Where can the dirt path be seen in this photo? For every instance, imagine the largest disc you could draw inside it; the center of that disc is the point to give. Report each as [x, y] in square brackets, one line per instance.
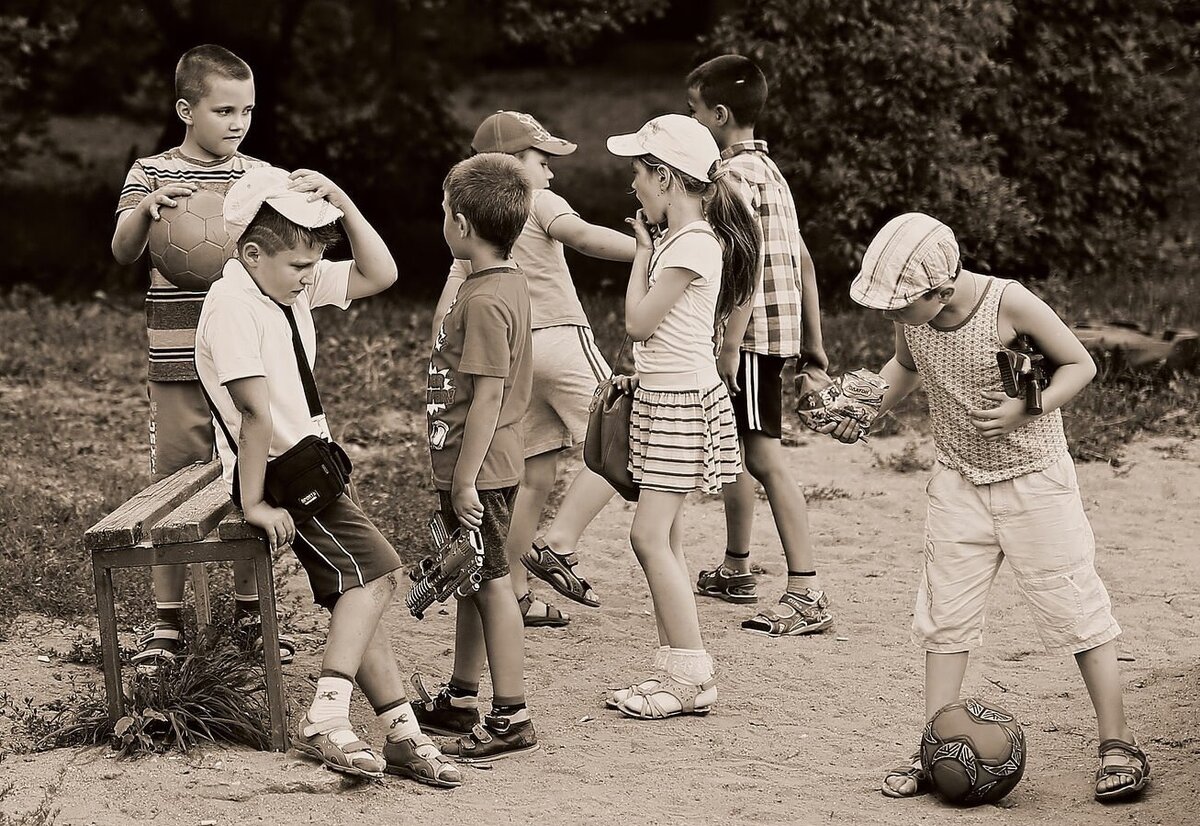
[804, 726]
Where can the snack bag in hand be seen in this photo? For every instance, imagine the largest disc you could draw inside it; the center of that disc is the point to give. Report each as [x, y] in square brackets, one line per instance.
[855, 395]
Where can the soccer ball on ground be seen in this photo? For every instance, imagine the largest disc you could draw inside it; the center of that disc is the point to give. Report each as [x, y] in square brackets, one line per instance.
[973, 752]
[189, 244]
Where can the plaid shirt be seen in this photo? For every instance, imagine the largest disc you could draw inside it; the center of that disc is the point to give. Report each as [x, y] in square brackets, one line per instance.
[775, 327]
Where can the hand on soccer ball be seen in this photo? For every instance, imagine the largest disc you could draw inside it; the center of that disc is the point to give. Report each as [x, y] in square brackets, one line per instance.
[165, 196]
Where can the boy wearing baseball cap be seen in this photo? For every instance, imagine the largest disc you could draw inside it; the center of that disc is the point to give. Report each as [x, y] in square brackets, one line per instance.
[1004, 486]
[567, 366]
[255, 347]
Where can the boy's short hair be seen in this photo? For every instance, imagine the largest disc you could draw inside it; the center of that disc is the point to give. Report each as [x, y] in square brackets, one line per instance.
[734, 82]
[202, 62]
[275, 234]
[493, 191]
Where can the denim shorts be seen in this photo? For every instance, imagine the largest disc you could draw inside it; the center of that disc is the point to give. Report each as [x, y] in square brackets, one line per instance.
[1036, 522]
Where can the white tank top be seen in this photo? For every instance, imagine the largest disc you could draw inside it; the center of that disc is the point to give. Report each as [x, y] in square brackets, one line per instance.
[957, 365]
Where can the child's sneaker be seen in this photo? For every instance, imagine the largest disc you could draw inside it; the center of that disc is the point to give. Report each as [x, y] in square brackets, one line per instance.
[443, 713]
[728, 585]
[795, 614]
[419, 759]
[495, 738]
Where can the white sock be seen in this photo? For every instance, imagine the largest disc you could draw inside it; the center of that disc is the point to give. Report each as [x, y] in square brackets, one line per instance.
[660, 657]
[690, 665]
[332, 699]
[400, 722]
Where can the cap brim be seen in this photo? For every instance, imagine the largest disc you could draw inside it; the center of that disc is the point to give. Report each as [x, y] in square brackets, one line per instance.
[625, 146]
[300, 211]
[555, 146]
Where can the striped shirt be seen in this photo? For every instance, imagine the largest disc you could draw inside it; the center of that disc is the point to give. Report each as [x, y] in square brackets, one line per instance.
[775, 327]
[172, 313]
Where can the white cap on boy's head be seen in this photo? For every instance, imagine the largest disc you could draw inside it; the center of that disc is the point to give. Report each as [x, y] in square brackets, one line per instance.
[269, 184]
[913, 254]
[676, 140]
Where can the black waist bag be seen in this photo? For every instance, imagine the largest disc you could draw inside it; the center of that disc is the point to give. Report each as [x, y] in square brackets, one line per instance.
[306, 479]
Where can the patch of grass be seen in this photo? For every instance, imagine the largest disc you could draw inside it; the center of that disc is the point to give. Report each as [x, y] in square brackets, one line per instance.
[214, 693]
[909, 459]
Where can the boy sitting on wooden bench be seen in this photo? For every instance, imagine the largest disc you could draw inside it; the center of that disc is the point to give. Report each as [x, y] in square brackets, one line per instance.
[255, 346]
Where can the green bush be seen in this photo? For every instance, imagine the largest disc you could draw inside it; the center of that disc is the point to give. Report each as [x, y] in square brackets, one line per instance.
[1047, 134]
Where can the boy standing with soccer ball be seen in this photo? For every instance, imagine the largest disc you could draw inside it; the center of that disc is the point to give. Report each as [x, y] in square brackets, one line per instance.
[1004, 486]
[215, 101]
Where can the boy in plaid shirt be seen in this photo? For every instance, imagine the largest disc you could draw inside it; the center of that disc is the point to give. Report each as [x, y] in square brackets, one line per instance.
[727, 94]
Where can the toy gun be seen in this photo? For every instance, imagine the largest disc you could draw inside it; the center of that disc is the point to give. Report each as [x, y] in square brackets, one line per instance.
[452, 569]
[1023, 373]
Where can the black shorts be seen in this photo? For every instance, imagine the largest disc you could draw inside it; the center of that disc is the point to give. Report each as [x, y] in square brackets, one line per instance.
[758, 405]
[340, 548]
[497, 514]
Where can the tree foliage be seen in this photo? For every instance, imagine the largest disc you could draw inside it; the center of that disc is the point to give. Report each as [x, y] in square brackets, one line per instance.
[1044, 133]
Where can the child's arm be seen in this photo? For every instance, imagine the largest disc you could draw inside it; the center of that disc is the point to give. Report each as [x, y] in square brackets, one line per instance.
[454, 279]
[1022, 312]
[902, 377]
[478, 431]
[592, 239]
[812, 357]
[731, 344]
[646, 307]
[374, 268]
[133, 225]
[251, 397]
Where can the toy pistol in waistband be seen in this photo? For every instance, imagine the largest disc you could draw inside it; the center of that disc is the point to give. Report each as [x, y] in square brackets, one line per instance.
[453, 569]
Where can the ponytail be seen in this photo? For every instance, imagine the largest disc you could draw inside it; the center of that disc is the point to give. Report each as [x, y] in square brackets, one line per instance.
[733, 224]
[741, 242]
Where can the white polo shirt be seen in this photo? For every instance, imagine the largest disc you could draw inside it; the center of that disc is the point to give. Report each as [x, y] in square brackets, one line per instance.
[242, 333]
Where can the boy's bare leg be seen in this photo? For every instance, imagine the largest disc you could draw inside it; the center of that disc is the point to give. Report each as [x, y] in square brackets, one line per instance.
[738, 498]
[378, 674]
[766, 462]
[537, 482]
[353, 624]
[1102, 677]
[168, 582]
[585, 498]
[503, 637]
[943, 683]
[470, 653]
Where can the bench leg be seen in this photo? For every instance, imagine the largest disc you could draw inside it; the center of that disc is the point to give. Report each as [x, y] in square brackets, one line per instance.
[106, 613]
[200, 596]
[270, 634]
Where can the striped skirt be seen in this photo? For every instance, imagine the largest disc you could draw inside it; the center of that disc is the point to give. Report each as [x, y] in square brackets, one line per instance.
[683, 440]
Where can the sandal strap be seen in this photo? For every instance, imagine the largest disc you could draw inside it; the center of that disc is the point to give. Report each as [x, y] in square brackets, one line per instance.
[1115, 744]
[684, 693]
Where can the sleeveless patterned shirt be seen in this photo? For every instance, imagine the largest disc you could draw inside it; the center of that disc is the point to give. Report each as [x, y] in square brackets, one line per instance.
[957, 365]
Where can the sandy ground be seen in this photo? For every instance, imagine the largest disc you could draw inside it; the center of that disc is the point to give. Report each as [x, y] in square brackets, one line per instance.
[804, 726]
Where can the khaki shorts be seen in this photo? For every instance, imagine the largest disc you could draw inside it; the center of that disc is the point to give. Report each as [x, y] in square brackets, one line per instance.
[1037, 523]
[181, 427]
[567, 366]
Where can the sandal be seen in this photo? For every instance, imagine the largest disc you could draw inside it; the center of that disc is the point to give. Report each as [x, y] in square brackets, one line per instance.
[247, 633]
[620, 695]
[553, 618]
[683, 693]
[796, 614]
[912, 771]
[160, 644]
[344, 753]
[1137, 770]
[728, 585]
[558, 570]
[418, 758]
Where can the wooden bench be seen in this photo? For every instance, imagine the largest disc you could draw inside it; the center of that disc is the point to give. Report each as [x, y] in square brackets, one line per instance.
[186, 518]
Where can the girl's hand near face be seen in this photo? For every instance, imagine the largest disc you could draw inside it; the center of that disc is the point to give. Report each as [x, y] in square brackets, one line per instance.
[641, 231]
